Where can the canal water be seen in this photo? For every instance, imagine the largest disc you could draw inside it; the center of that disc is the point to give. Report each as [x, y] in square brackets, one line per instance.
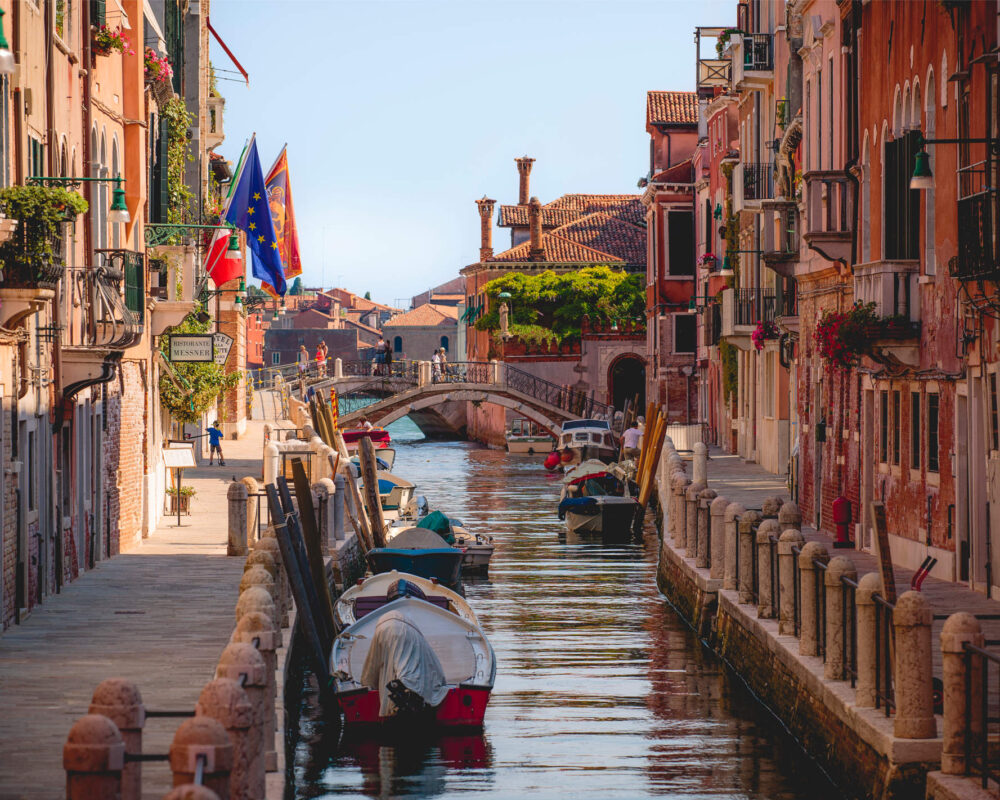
[602, 690]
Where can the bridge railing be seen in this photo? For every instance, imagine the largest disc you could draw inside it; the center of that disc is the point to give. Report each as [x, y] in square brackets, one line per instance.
[463, 372]
[401, 370]
[567, 398]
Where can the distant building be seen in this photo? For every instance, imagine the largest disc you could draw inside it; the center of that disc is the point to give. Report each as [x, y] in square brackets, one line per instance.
[418, 333]
[450, 293]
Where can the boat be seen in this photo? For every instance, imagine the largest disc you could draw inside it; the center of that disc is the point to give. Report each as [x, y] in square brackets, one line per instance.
[412, 662]
[583, 439]
[379, 437]
[394, 492]
[525, 436]
[477, 549]
[385, 459]
[596, 500]
[371, 593]
[418, 551]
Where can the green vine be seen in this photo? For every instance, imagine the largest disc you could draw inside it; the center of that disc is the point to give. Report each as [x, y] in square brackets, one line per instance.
[40, 213]
[730, 370]
[730, 230]
[204, 382]
[178, 120]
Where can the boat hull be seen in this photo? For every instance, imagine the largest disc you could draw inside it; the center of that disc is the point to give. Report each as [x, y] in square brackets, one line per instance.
[528, 445]
[445, 563]
[613, 520]
[462, 707]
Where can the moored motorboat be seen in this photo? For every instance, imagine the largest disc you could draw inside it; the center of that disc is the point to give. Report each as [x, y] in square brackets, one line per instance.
[412, 661]
[595, 500]
[583, 439]
[477, 548]
[420, 552]
[379, 437]
[375, 591]
[525, 436]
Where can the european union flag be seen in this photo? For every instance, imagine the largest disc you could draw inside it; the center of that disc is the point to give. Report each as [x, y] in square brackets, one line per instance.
[249, 211]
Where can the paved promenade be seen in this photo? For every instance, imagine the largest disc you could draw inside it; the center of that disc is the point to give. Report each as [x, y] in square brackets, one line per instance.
[159, 616]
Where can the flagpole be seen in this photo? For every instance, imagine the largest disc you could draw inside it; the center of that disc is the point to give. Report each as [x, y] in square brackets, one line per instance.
[284, 147]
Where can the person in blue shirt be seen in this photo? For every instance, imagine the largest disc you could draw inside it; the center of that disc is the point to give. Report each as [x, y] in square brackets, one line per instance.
[215, 444]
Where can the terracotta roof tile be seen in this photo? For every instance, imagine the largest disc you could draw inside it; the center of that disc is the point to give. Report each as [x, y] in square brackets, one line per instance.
[671, 108]
[608, 234]
[517, 217]
[428, 315]
[558, 249]
[678, 173]
[627, 207]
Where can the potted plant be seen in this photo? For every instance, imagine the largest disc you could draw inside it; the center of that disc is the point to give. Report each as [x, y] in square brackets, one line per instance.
[183, 500]
[157, 68]
[709, 260]
[765, 330]
[107, 40]
[30, 256]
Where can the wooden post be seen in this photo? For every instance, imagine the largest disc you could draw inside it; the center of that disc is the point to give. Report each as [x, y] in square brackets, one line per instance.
[369, 472]
[311, 535]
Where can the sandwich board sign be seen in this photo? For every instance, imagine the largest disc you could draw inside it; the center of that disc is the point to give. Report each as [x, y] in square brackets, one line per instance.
[222, 343]
[192, 347]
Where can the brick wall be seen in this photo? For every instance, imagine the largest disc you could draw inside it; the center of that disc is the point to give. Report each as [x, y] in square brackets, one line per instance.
[124, 456]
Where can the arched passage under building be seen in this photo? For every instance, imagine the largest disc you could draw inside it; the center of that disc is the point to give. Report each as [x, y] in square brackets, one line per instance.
[627, 381]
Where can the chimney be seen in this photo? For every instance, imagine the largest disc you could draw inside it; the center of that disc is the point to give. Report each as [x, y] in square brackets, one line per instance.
[486, 220]
[524, 171]
[537, 251]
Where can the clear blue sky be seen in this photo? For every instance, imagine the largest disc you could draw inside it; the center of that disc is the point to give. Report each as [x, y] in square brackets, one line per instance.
[399, 114]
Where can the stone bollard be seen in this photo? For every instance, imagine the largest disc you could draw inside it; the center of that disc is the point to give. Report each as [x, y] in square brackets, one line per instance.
[678, 526]
[272, 463]
[717, 537]
[269, 543]
[770, 507]
[914, 689]
[836, 600]
[241, 662]
[338, 507]
[323, 493]
[961, 629]
[730, 578]
[259, 576]
[700, 463]
[253, 513]
[765, 568]
[789, 516]
[227, 702]
[190, 791]
[786, 579]
[864, 692]
[120, 701]
[262, 559]
[94, 758]
[255, 598]
[259, 630]
[808, 633]
[205, 738]
[691, 518]
[237, 496]
[748, 521]
[704, 542]
[338, 368]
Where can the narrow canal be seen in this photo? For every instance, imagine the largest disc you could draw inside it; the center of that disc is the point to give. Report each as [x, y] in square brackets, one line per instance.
[602, 690]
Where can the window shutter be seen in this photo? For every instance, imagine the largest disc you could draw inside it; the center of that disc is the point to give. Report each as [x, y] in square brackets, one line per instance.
[98, 13]
[891, 201]
[161, 162]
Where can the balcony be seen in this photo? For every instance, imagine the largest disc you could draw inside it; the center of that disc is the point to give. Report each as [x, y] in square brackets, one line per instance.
[752, 184]
[753, 61]
[829, 223]
[171, 285]
[742, 309]
[978, 245]
[893, 286]
[712, 324]
[781, 236]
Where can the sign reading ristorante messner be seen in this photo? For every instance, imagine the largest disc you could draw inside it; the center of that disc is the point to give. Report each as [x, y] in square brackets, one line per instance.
[191, 347]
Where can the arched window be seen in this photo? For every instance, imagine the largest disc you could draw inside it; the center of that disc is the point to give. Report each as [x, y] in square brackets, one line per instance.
[930, 254]
[102, 195]
[866, 203]
[397, 344]
[94, 171]
[444, 343]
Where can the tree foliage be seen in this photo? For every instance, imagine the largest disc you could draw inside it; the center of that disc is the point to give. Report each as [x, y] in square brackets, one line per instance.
[297, 287]
[553, 305]
[204, 382]
[40, 213]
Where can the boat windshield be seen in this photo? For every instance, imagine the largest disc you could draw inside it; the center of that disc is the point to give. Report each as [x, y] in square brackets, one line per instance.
[600, 424]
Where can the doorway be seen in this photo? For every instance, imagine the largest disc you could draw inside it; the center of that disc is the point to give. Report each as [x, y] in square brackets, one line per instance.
[627, 381]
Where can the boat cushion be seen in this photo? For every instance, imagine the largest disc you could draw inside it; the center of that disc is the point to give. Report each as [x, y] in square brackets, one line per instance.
[366, 605]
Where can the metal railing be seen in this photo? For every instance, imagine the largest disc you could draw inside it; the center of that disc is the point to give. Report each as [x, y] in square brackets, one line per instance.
[755, 305]
[106, 319]
[757, 51]
[758, 181]
[712, 320]
[977, 720]
[829, 206]
[884, 697]
[978, 248]
[849, 625]
[566, 398]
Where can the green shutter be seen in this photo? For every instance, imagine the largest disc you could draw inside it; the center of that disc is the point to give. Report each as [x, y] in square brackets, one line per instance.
[97, 13]
[163, 194]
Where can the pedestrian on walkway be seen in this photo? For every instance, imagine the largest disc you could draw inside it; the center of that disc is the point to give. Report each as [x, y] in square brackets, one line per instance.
[630, 441]
[303, 359]
[215, 444]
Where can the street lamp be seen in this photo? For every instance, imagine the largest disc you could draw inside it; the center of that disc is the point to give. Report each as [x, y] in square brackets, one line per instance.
[922, 177]
[118, 211]
[7, 63]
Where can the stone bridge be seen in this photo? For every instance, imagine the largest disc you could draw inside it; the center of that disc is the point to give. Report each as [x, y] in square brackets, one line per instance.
[435, 397]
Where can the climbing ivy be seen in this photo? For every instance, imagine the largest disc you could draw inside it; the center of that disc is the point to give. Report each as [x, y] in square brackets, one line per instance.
[204, 382]
[179, 121]
[730, 371]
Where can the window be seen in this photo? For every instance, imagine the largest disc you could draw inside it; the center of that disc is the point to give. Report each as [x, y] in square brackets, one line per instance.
[30, 454]
[901, 203]
[680, 243]
[994, 428]
[883, 441]
[932, 432]
[397, 344]
[915, 430]
[685, 333]
[808, 107]
[829, 117]
[275, 358]
[36, 157]
[768, 388]
[896, 402]
[708, 226]
[819, 118]
[444, 343]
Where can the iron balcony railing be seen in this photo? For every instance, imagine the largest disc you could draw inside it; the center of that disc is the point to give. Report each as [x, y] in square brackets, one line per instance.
[978, 249]
[712, 320]
[786, 299]
[758, 181]
[757, 52]
[755, 305]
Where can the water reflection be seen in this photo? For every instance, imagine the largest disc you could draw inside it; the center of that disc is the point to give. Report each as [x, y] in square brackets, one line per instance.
[602, 691]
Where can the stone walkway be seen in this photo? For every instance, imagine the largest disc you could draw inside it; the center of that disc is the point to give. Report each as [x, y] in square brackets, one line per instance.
[749, 484]
[159, 616]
